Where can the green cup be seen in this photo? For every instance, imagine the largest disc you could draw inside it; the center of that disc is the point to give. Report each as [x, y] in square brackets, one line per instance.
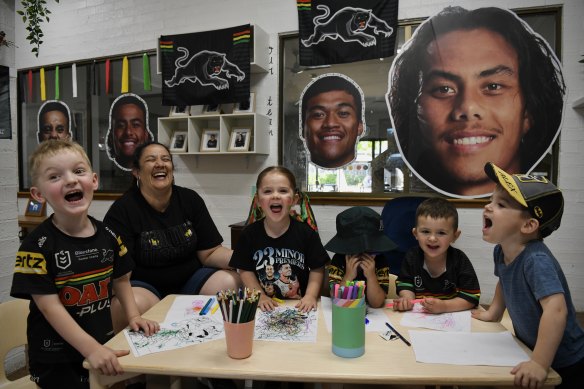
[349, 331]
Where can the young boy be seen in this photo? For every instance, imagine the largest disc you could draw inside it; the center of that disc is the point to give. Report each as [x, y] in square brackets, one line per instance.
[435, 272]
[522, 211]
[67, 267]
[356, 245]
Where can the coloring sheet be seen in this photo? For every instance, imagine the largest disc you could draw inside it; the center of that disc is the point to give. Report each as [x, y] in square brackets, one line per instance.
[285, 324]
[472, 348]
[188, 306]
[375, 318]
[173, 335]
[183, 326]
[453, 321]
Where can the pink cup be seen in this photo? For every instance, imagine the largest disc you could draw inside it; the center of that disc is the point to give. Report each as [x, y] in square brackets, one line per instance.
[239, 339]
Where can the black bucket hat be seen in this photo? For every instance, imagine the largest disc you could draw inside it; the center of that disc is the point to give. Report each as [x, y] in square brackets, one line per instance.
[359, 230]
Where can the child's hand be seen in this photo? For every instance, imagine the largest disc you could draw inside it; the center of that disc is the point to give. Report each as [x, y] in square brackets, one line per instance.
[367, 263]
[308, 303]
[266, 303]
[481, 314]
[149, 327]
[433, 305]
[106, 361]
[403, 304]
[351, 266]
[529, 374]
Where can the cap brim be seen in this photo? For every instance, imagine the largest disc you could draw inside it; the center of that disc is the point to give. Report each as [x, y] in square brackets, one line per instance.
[378, 243]
[506, 181]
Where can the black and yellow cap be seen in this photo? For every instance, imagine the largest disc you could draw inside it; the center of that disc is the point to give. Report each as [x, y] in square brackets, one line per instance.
[543, 200]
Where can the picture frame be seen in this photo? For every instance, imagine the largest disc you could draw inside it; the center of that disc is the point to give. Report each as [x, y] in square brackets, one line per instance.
[178, 142]
[35, 208]
[246, 106]
[210, 140]
[239, 139]
[179, 110]
[212, 109]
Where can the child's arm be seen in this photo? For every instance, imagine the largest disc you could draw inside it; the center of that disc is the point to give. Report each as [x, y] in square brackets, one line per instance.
[549, 335]
[375, 293]
[310, 299]
[250, 280]
[99, 357]
[123, 291]
[496, 309]
[434, 305]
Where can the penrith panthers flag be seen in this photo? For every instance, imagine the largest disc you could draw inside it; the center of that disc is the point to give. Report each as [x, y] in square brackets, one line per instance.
[210, 67]
[341, 31]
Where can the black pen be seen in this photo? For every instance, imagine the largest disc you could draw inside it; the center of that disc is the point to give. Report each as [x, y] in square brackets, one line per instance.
[398, 334]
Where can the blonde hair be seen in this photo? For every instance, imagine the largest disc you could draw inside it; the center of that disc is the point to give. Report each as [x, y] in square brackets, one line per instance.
[50, 148]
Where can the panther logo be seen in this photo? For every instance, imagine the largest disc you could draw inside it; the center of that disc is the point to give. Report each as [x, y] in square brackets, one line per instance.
[349, 24]
[206, 67]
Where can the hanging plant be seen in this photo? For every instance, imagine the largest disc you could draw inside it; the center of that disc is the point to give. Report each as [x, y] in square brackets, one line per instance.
[34, 12]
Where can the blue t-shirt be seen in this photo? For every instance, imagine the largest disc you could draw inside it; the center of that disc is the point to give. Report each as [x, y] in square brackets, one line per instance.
[532, 276]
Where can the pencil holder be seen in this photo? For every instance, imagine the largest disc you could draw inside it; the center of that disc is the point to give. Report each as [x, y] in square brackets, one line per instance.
[239, 338]
[349, 329]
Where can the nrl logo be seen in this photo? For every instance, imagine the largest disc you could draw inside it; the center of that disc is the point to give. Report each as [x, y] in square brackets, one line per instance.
[63, 259]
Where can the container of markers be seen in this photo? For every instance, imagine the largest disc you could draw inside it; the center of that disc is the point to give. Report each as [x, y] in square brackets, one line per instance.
[348, 330]
[238, 309]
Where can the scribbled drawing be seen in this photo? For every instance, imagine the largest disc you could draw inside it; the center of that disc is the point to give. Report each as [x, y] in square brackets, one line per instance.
[451, 321]
[195, 330]
[286, 325]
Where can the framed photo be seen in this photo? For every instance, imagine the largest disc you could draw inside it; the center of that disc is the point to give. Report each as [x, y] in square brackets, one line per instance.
[210, 140]
[179, 110]
[212, 109]
[246, 106]
[178, 142]
[239, 140]
[35, 208]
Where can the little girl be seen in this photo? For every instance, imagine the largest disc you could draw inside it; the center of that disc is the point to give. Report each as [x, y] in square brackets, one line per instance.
[279, 255]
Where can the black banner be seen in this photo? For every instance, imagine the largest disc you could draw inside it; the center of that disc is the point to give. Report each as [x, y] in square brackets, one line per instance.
[210, 67]
[342, 31]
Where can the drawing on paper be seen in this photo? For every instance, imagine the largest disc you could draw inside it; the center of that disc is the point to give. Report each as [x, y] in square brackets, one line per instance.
[452, 321]
[195, 330]
[286, 325]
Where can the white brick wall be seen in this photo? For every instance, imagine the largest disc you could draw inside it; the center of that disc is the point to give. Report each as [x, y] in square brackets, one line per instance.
[82, 29]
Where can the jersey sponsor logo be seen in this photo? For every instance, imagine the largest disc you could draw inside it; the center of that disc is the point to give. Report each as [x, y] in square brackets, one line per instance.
[91, 297]
[30, 263]
[63, 259]
[123, 249]
[42, 241]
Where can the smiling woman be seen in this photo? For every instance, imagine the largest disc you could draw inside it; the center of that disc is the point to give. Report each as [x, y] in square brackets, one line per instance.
[169, 234]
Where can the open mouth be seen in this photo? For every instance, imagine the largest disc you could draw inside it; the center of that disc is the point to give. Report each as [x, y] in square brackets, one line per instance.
[159, 175]
[487, 223]
[74, 196]
[276, 208]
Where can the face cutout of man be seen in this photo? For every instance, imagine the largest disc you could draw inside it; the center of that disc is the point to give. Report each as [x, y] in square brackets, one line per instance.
[53, 121]
[128, 129]
[471, 108]
[332, 120]
[474, 86]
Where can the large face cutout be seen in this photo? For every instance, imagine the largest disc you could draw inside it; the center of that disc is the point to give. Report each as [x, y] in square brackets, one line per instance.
[128, 129]
[54, 121]
[332, 120]
[459, 98]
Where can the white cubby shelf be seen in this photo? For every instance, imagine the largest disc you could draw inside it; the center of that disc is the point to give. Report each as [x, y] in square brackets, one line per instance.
[225, 123]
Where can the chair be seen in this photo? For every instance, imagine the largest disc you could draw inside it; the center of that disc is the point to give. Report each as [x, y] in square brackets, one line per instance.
[13, 316]
[398, 217]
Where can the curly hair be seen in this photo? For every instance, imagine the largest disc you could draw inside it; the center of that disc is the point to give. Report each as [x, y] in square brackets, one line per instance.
[540, 76]
[49, 106]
